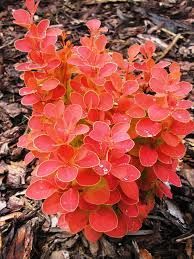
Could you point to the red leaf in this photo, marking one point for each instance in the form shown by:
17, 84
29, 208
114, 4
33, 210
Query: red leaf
30, 99
103, 220
130, 189
130, 87
44, 143
22, 17
97, 194
91, 235
144, 100
162, 172
129, 210
87, 177
29, 157
81, 129
31, 6
147, 128
83, 205
119, 132
164, 158
120, 230
48, 167
112, 181
40, 189
124, 146
114, 198
134, 224
157, 113
60, 184
52, 204
175, 152
93, 25
147, 156
100, 132
106, 102
101, 42
170, 139
67, 173
77, 220
70, 200
103, 168
164, 190
86, 158
72, 114
184, 88
91, 99
24, 45
184, 104
133, 51
181, 115
50, 84
107, 70
27, 91
157, 85
136, 112
62, 222
35, 122
175, 179
58, 92
179, 128
125, 172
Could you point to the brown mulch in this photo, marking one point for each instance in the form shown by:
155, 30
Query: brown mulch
24, 231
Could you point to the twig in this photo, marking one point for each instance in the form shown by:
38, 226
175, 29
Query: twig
91, 2
170, 46
171, 33
184, 238
141, 233
7, 44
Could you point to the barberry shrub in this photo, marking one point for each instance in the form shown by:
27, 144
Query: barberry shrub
107, 132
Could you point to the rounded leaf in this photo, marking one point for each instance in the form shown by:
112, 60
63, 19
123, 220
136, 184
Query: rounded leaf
48, 167
91, 235
147, 156
70, 200
52, 204
130, 189
87, 177
77, 220
181, 115
100, 132
103, 220
67, 173
40, 189
125, 172
157, 113
50, 84
148, 128
107, 70
86, 158
175, 152
120, 230
45, 143
97, 194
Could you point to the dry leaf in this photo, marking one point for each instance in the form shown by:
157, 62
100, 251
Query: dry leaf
21, 245
144, 254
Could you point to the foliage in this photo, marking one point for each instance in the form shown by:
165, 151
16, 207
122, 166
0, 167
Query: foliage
107, 131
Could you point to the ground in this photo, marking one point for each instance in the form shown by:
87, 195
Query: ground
24, 231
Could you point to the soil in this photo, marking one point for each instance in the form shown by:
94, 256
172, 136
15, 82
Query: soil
24, 231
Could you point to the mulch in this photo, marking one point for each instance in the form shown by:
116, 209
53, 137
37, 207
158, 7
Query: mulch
24, 231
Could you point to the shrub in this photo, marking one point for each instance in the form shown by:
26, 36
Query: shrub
107, 131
